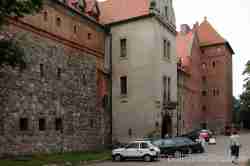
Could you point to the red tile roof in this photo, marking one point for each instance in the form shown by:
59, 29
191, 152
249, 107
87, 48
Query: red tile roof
208, 35
184, 44
119, 10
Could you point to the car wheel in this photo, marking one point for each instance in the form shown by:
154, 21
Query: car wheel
147, 158
189, 151
117, 157
177, 154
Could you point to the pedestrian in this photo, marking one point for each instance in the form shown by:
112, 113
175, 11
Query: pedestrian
235, 146
203, 142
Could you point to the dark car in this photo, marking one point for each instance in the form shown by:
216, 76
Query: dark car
194, 135
177, 147
195, 147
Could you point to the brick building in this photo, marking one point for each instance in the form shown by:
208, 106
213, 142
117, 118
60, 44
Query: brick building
58, 102
205, 78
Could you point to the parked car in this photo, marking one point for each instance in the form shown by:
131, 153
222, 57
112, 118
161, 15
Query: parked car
193, 147
194, 135
137, 150
178, 146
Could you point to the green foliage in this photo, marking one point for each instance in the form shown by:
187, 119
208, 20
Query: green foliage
18, 8
10, 52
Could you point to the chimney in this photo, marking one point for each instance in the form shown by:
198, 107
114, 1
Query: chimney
185, 28
195, 26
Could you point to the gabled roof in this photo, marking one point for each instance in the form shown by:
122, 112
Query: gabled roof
208, 36
121, 10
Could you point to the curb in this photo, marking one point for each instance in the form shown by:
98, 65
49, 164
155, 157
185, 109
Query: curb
93, 162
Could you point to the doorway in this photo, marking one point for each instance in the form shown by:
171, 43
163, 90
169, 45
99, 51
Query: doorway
166, 126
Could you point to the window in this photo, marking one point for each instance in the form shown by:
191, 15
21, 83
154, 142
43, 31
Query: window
204, 79
58, 21
130, 132
204, 108
214, 92
204, 66
168, 49
91, 123
169, 88
133, 146
164, 48
23, 124
166, 12
204, 93
45, 16
164, 89
123, 82
89, 36
75, 29
58, 124
104, 101
41, 70
213, 63
42, 124
84, 79
123, 44
156, 124
217, 92
59, 73
144, 146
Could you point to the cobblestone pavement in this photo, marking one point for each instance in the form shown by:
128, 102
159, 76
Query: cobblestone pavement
217, 155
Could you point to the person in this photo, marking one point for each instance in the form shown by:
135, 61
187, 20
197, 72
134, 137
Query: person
235, 146
203, 142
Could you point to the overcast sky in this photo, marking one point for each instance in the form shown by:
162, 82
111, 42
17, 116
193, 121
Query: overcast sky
231, 18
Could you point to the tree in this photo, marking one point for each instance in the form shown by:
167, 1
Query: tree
10, 52
245, 98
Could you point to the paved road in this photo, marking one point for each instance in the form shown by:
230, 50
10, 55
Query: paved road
216, 155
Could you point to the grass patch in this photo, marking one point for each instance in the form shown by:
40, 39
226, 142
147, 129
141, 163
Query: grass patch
59, 158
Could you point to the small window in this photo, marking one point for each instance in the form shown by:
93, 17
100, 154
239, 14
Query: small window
213, 63
75, 29
214, 92
123, 82
91, 123
23, 124
123, 44
104, 101
204, 79
217, 92
156, 124
58, 124
42, 124
41, 70
168, 50
89, 36
144, 146
84, 79
58, 21
130, 132
204, 108
204, 66
164, 48
45, 16
204, 93
59, 70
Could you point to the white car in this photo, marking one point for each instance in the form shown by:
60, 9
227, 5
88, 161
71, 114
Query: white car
137, 149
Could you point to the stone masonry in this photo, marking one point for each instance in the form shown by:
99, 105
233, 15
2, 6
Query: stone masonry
41, 91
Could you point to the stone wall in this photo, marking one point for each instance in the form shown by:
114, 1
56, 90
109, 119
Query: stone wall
58, 83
